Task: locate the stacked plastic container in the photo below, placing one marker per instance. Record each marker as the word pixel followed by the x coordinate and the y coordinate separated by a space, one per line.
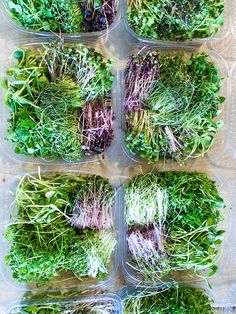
pixel 117 164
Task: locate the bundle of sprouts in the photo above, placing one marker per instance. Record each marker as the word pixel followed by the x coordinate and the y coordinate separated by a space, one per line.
pixel 171 102
pixel 173 222
pixel 63 16
pixel 60 102
pixel 182 300
pixel 64 223
pixel 105 307
pixel 175 19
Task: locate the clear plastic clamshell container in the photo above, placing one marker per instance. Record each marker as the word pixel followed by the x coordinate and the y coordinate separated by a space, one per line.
pixel 224 181
pixel 132 291
pixel 4 6
pixel 7 148
pixel 233 19
pixel 112 301
pixel 66 281
pixel 230 139
pixel 223 30
pixel 219 148
pixel 219 163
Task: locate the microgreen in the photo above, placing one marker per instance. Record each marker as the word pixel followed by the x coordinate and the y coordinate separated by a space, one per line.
pixel 60 102
pixel 171 103
pixel 181 300
pixel 175 19
pixel 42 240
pixel 74 308
pixel 173 222
pixel 63 16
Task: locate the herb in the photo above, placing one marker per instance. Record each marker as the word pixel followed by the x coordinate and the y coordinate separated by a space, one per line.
pixel 183 300
pixel 171 102
pixel 42 241
pixel 49 94
pixel 75 308
pixel 38 309
pixel 175 19
pixel 173 222
pixel 63 16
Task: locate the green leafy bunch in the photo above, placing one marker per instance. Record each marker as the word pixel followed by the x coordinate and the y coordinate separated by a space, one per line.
pixel 48 15
pixel 46 93
pixel 179 213
pixel 63 16
pixel 67 308
pixel 175 19
pixel 39 309
pixel 177 120
pixel 42 241
pixel 181 300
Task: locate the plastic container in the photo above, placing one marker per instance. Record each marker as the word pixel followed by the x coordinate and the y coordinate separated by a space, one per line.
pixel 89 35
pixel 223 182
pixel 218 149
pixel 132 290
pixel 7 148
pixel 113 299
pixel 118 166
pixel 223 30
pixel 230 138
pixel 233 19
pixel 66 281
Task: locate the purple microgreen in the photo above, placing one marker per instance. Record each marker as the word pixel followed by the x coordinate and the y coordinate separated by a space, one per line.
pixel 146 246
pixel 141 74
pixel 98 17
pixel 97 126
pixel 94 205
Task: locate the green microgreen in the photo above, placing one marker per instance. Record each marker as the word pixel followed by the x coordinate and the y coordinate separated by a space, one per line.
pixel 181 300
pixel 42 240
pixel 175 19
pixel 63 16
pixel 48 93
pixel 171 103
pixel 98 307
pixel 173 222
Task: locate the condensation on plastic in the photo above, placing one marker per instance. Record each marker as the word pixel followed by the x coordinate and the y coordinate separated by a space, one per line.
pixel 67 281
pixel 101 299
pixel 7 148
pixel 132 290
pixel 218 148
pixel 224 187
pixel 89 35
pixel 223 31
